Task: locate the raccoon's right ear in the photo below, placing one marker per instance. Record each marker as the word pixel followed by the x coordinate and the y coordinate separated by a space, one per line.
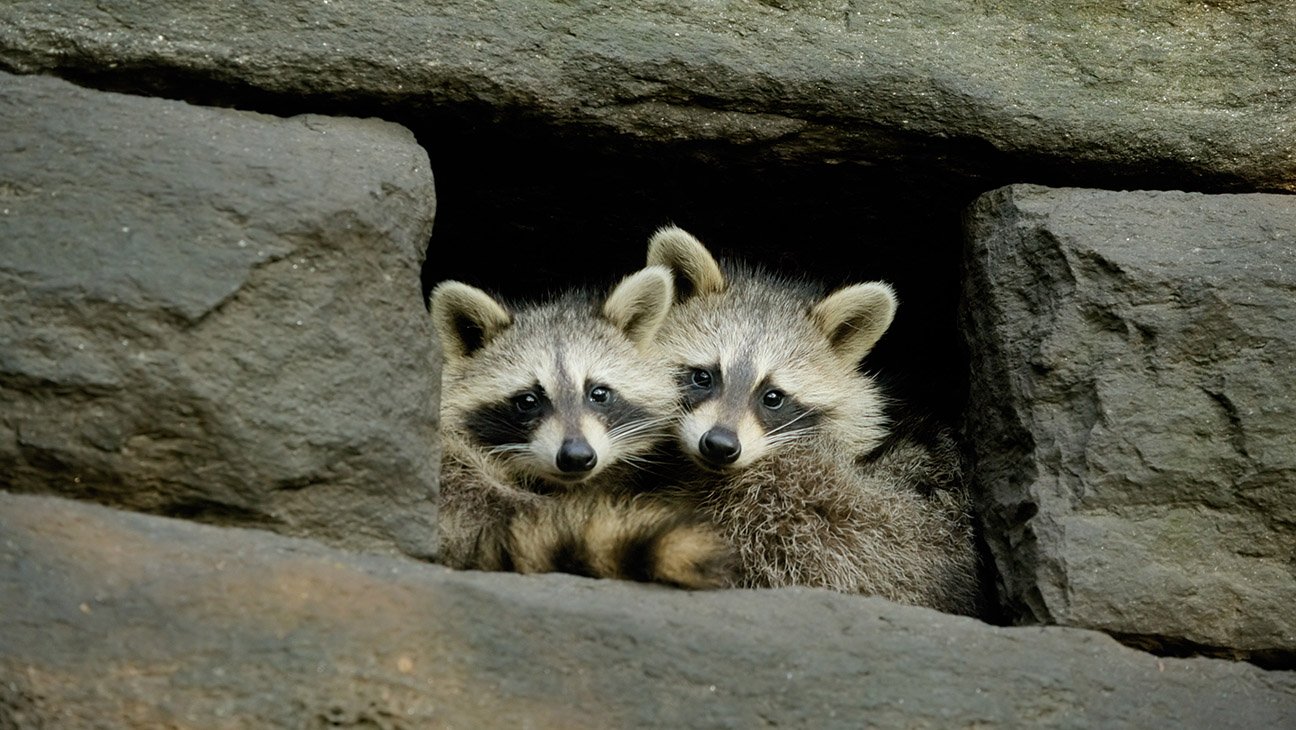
pixel 639 304
pixel 466 318
pixel 694 268
pixel 855 318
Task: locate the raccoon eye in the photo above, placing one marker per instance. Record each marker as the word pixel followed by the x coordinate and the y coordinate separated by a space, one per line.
pixel 600 394
pixel 526 403
pixel 773 399
pixel 700 378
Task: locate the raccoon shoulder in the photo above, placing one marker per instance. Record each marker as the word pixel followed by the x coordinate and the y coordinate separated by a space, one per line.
pixel 812 516
pixel 794 486
pixel 476 496
pixel 618 535
pixel 920 453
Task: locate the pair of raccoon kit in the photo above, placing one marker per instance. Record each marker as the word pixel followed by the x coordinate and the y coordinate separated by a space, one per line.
pixel 704 424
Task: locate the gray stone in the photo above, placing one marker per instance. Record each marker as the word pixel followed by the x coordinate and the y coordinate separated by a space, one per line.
pixel 1200 96
pixel 120 620
pixel 217 314
pixel 1133 401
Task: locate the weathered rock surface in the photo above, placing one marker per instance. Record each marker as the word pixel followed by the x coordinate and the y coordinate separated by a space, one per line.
pixel 216 314
pixel 1201 96
pixel 119 620
pixel 1133 410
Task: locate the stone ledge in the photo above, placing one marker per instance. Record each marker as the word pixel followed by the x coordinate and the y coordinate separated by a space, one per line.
pixel 115 619
pixel 1202 96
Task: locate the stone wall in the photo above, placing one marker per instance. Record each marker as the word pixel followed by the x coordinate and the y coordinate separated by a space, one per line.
pixel 214 249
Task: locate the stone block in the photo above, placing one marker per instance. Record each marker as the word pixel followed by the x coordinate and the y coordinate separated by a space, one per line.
pixel 217 314
pixel 1133 405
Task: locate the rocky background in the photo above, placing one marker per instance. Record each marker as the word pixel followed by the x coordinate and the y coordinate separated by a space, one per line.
pixel 216 232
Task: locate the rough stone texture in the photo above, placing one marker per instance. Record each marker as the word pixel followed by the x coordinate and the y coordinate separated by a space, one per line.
pixel 840 138
pixel 1199 95
pixel 119 620
pixel 1133 405
pixel 216 314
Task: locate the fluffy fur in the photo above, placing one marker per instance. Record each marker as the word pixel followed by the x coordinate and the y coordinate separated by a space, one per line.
pixel 794 453
pixel 752 334
pixel 545 411
pixel 618 535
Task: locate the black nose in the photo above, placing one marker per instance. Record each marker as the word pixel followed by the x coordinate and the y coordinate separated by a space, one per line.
pixel 576 455
pixel 720 446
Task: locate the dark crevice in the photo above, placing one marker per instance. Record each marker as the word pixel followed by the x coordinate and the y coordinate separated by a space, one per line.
pixel 526 212
pixel 1236 433
pixel 1271 659
pixel 215 513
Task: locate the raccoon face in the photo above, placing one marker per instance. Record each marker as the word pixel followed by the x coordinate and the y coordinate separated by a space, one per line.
pixel 747 401
pixel 560 391
pixel 565 426
pixel 726 410
pixel 762 362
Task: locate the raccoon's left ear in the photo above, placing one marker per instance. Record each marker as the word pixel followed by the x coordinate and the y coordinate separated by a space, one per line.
pixel 693 269
pixel 466 318
pixel 639 304
pixel 855 317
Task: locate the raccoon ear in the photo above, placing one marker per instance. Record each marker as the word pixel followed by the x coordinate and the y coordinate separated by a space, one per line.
pixel 695 270
pixel 466 318
pixel 854 318
pixel 639 304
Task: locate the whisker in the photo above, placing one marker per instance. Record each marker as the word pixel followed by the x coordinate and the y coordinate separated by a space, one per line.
pixel 642 459
pixel 790 437
pixel 508 449
pixel 635 429
pixel 789 423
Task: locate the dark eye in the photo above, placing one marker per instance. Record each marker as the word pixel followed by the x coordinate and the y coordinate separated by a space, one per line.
pixel 773 399
pixel 600 394
pixel 526 403
pixel 700 378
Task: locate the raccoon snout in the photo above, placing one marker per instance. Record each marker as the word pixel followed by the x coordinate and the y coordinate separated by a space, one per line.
pixel 720 446
pixel 576 455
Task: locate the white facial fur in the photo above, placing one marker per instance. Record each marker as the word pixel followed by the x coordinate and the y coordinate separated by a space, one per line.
pixel 762 332
pixel 559 351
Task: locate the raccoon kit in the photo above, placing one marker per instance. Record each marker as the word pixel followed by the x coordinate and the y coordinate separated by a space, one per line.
pixel 794 456
pixel 545 410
